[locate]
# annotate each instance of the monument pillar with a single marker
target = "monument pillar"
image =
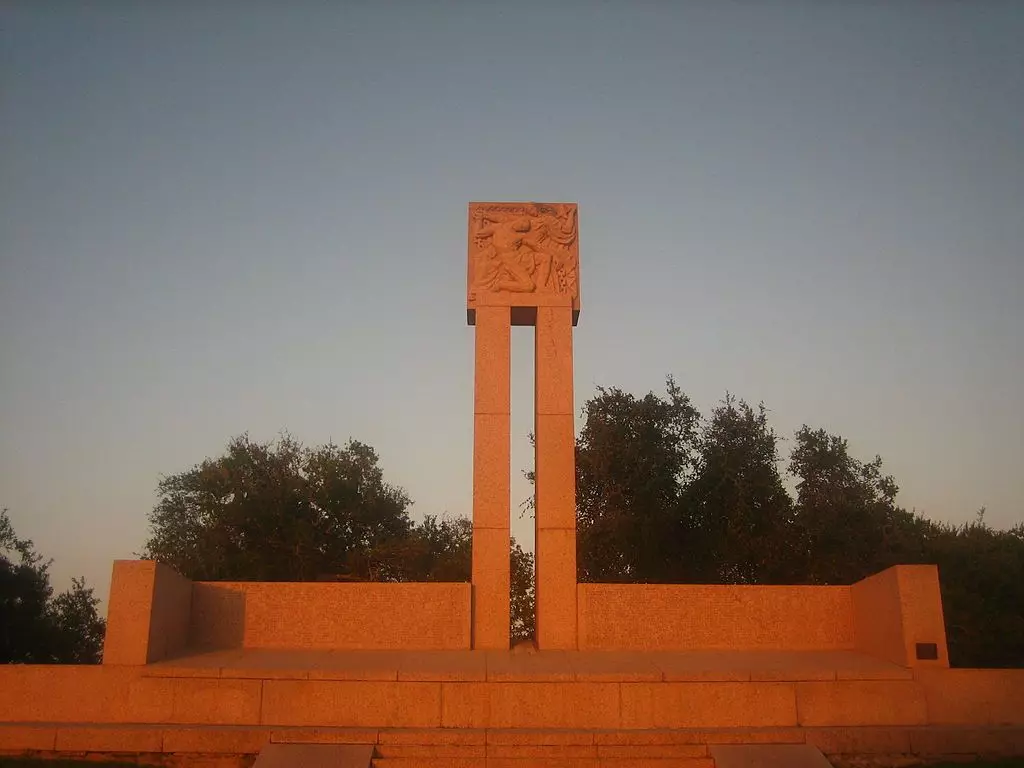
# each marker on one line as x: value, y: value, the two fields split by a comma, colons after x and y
x: 491, y: 479
x: 524, y: 270
x: 555, y: 484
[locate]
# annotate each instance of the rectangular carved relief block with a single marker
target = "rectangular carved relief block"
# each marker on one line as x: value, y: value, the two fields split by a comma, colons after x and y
x: 523, y: 255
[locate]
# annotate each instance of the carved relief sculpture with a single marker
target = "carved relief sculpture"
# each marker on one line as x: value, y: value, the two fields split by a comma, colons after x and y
x: 526, y: 249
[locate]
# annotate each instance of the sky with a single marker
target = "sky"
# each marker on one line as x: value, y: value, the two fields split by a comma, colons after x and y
x: 229, y: 217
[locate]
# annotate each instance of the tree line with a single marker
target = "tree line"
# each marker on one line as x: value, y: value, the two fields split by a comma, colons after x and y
x: 664, y: 494
x: 36, y: 626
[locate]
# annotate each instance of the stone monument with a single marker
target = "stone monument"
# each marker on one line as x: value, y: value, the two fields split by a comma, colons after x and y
x: 524, y: 270
x: 410, y: 674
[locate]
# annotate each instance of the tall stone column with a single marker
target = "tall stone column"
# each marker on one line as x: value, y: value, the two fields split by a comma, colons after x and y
x: 523, y: 269
x: 491, y: 479
x: 555, y: 467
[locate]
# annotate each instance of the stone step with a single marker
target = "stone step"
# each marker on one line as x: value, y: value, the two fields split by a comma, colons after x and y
x: 492, y: 745
x: 768, y: 756
x: 314, y: 756
x: 543, y: 762
x: 526, y: 751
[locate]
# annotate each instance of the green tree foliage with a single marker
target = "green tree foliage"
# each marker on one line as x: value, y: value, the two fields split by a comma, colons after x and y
x: 981, y: 571
x: 280, y: 512
x: 740, y: 511
x: 435, y: 550
x: 846, y: 515
x: 523, y: 594
x: 632, y: 461
x: 663, y: 495
x: 35, y: 626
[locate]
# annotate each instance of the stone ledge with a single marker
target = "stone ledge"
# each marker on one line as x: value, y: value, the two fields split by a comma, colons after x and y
x: 543, y: 666
x: 83, y: 738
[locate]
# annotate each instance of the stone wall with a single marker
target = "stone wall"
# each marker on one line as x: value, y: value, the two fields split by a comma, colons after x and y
x: 148, y: 613
x: 690, y: 617
x: 895, y: 615
x: 330, y: 616
x: 896, y: 610
x: 155, y: 613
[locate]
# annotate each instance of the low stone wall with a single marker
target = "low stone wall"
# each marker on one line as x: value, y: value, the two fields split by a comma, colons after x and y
x: 154, y: 613
x: 685, y: 617
x: 332, y: 616
x: 895, y: 615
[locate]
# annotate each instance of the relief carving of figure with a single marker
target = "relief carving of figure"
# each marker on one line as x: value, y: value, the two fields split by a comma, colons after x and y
x: 525, y: 252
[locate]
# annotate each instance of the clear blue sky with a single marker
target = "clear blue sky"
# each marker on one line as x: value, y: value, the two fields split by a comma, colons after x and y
x: 226, y: 217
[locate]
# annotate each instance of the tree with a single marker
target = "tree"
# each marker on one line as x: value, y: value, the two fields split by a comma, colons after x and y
x: 279, y: 512
x: 434, y: 550
x: 523, y: 594
x: 846, y: 520
x: 742, y: 513
x: 35, y: 626
x: 633, y: 457
x: 981, y: 572
x: 79, y: 628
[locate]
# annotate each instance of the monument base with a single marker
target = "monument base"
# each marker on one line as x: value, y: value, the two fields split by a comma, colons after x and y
x: 485, y: 708
x: 663, y: 673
